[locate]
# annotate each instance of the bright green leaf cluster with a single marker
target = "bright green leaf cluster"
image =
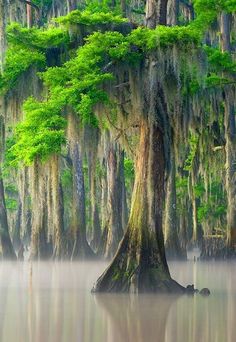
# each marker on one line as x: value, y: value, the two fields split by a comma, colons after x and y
x: 18, y: 61
x: 35, y: 38
x: 88, y: 17
x: 193, y: 143
x: 41, y: 134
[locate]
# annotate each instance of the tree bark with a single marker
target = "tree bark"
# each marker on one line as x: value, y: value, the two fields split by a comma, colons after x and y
x: 230, y: 146
x: 38, y: 248
x: 156, y: 13
x: 172, y: 244
x: 230, y: 150
x: 172, y: 12
x: 3, y: 42
x: 7, y: 248
x: 95, y: 220
x: 225, y: 32
x: 16, y: 239
x: 81, y: 248
x: 114, y: 231
x: 140, y: 264
x: 124, y: 195
x: 123, y: 7
x: 57, y: 204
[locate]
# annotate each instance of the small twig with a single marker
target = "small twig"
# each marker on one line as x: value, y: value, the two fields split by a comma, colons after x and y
x: 107, y: 66
x: 121, y: 85
x: 217, y: 148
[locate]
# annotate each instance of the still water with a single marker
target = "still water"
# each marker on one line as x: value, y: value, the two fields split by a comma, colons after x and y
x: 51, y: 302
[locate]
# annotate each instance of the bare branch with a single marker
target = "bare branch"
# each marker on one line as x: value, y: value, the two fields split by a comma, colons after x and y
x: 121, y: 85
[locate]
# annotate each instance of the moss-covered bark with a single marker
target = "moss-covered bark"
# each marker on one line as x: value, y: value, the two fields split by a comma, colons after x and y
x: 172, y: 243
x: 38, y: 247
x: 230, y: 149
x: 81, y: 248
x: 140, y: 263
x: 57, y: 215
x: 114, y: 225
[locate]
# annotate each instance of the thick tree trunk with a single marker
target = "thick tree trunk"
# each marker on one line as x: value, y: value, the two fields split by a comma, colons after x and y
x: 230, y: 150
x: 140, y: 264
x: 230, y: 146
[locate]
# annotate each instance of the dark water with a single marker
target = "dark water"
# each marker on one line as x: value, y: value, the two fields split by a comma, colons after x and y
x: 53, y: 303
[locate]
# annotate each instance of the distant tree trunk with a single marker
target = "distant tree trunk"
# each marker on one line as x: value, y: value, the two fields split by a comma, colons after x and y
x: 16, y: 233
x: 96, y: 227
x: 7, y: 247
x: 172, y: 12
x: 156, y: 13
x: 183, y: 224
x: 104, y: 200
x: 29, y: 14
x: 71, y: 5
x: 172, y: 244
x: 57, y: 207
x: 123, y: 197
x: 197, y: 228
x: 123, y: 7
x: 225, y: 32
x: 81, y: 248
x: 3, y: 9
x: 114, y: 228
x: 140, y: 264
x: 38, y: 248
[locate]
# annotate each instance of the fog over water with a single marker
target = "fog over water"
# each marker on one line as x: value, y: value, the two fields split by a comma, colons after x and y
x: 52, y: 302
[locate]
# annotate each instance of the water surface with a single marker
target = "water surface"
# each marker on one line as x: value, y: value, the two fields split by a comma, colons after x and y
x: 51, y: 302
